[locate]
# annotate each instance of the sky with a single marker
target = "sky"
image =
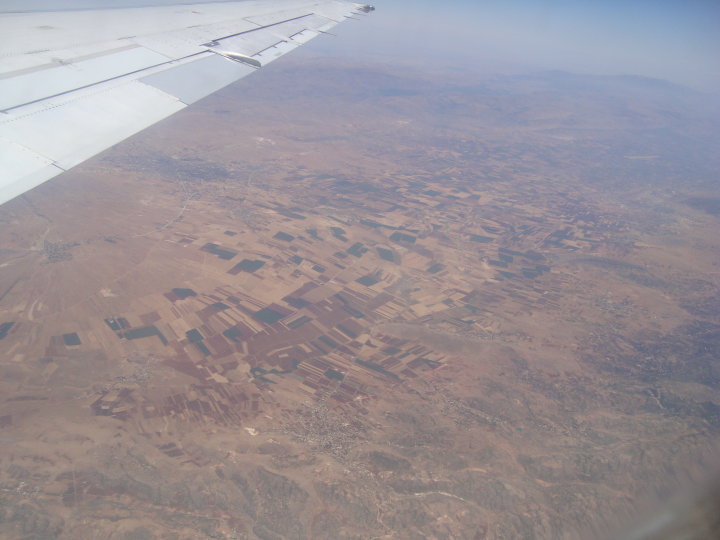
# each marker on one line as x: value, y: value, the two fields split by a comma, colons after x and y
x: 677, y: 40
x: 668, y: 39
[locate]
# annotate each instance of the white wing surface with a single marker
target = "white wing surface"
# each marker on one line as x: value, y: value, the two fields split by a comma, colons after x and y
x: 73, y: 83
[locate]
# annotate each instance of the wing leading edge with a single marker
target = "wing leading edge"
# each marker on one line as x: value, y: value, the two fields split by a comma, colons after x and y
x: 73, y: 83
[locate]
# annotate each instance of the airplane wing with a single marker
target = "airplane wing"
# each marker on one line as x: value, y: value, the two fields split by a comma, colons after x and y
x: 73, y: 83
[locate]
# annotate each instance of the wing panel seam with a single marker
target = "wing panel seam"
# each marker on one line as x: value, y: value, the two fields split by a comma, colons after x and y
x: 102, y: 82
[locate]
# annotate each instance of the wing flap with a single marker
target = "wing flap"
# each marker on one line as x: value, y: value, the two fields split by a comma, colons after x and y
x: 23, y: 168
x: 71, y: 132
x: 61, y: 77
x: 194, y: 80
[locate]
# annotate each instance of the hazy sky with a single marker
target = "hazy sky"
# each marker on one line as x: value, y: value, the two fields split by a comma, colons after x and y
x: 677, y: 40
x: 672, y: 39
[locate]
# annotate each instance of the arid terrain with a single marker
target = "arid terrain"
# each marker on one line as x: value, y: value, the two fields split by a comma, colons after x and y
x: 345, y: 301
